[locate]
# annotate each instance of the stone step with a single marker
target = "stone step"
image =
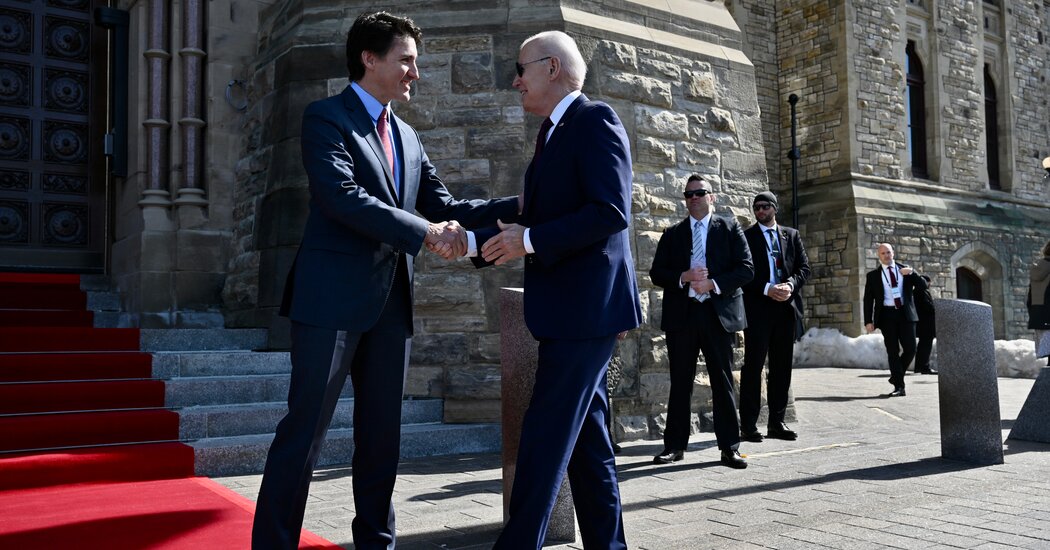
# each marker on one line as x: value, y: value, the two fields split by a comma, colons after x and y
x: 230, y: 390
x: 220, y: 363
x: 246, y: 454
x: 102, y: 301
x: 261, y: 418
x: 202, y: 339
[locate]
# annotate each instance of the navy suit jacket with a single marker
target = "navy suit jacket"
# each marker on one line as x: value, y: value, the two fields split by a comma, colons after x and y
x: 358, y: 228
x: 580, y: 283
x: 728, y: 263
x: 874, y: 295
x: 795, y: 266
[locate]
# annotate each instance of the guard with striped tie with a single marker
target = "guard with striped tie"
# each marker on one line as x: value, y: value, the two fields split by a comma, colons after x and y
x: 701, y: 264
x: 773, y: 301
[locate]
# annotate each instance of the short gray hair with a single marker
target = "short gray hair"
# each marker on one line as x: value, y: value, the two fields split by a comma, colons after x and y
x: 560, y: 45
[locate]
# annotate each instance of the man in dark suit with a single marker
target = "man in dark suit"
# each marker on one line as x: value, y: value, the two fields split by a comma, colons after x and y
x: 349, y: 293
x: 926, y: 328
x: 773, y: 300
x: 889, y: 306
x: 701, y: 263
x: 580, y: 294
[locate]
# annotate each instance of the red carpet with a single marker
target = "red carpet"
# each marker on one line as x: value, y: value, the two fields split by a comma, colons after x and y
x: 187, y: 513
x: 89, y: 455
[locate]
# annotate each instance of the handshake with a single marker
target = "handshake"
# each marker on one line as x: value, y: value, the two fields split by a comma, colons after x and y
x: 446, y: 239
x: 449, y: 240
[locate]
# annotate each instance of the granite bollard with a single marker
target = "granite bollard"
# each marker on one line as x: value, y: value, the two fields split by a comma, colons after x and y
x: 518, y: 357
x: 968, y: 388
x: 1033, y: 422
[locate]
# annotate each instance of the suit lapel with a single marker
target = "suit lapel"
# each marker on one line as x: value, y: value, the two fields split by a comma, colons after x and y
x: 538, y: 163
x: 360, y: 117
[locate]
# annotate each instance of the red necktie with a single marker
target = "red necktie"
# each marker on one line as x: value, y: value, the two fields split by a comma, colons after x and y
x: 382, y: 127
x: 893, y: 284
x: 541, y: 138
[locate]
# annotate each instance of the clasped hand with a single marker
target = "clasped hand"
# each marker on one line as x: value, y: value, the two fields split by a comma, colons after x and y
x: 697, y: 279
x: 780, y: 292
x: 507, y: 245
x: 446, y: 239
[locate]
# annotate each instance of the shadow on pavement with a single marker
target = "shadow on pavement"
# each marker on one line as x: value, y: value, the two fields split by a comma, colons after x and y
x: 914, y: 469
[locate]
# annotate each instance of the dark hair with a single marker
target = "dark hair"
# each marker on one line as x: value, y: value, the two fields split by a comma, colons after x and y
x: 375, y: 32
x: 694, y: 177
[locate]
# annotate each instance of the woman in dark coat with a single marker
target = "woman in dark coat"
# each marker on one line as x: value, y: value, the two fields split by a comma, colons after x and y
x: 1039, y: 303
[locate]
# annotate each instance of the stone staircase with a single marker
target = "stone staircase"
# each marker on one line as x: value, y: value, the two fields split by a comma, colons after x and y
x: 230, y: 398
x: 230, y: 401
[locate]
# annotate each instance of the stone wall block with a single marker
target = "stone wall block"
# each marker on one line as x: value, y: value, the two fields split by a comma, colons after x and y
x: 472, y: 72
x: 661, y: 123
x: 444, y: 143
x: 201, y: 250
x: 425, y: 381
x: 473, y: 382
x: 467, y: 170
x: 457, y: 44
x: 449, y: 292
x: 655, y: 151
x: 197, y: 290
x: 439, y: 349
x: 699, y: 158
x: 617, y: 55
x: 282, y: 217
x: 497, y: 141
x: 637, y: 88
x: 700, y: 87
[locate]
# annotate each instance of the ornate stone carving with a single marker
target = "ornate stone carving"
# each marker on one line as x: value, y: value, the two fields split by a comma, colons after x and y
x: 14, y: 222
x: 16, y: 31
x: 16, y: 84
x: 65, y: 183
x: 15, y: 137
x: 65, y: 91
x: 14, y: 180
x: 64, y: 224
x: 65, y: 142
x: 66, y: 39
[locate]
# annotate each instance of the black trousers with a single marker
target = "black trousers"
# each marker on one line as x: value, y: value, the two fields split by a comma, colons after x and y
x: 926, y: 330
x: 376, y: 361
x: 703, y: 332
x: 769, y: 333
x: 898, y: 333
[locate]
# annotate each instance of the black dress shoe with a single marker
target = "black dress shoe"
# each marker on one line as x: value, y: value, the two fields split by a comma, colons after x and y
x: 753, y: 436
x: 733, y: 459
x: 781, y: 431
x: 668, y: 457
x: 926, y: 371
x: 898, y: 392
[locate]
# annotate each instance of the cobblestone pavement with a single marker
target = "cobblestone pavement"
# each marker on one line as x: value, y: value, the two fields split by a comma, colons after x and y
x: 865, y: 473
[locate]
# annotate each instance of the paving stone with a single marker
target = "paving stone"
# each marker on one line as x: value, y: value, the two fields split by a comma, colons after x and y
x: 855, y: 479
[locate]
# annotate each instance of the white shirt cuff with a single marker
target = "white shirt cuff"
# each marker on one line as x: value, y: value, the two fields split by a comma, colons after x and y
x: 764, y: 290
x: 472, y: 246
x: 528, y: 242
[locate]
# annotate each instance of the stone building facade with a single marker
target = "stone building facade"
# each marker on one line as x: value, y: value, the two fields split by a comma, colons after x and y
x: 972, y: 216
x: 207, y: 218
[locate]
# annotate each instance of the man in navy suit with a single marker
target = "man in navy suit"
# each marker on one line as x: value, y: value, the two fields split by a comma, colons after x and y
x: 889, y: 305
x: 349, y: 293
x: 701, y: 263
x: 773, y: 301
x: 580, y: 293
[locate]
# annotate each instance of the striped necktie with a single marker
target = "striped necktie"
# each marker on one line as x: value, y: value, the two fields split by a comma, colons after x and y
x: 699, y: 257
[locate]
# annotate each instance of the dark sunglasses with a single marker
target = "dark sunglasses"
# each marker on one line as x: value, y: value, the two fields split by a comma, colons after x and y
x: 762, y: 206
x: 521, y: 66
x: 696, y: 193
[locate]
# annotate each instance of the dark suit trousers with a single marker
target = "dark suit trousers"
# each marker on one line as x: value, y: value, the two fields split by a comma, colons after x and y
x: 926, y: 330
x: 702, y: 333
x: 772, y: 333
x: 564, y: 432
x: 898, y: 333
x: 321, y: 358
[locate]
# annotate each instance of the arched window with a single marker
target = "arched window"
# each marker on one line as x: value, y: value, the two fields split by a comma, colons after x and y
x: 916, y: 112
x: 991, y: 130
x: 968, y: 285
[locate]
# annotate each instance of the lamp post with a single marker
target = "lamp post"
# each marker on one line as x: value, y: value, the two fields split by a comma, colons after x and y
x: 794, y: 155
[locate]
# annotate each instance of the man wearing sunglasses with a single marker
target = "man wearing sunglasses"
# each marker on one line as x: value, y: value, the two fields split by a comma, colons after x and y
x: 701, y: 263
x: 580, y: 294
x: 774, y: 319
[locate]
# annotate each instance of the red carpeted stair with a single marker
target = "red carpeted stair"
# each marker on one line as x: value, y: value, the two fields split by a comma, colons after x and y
x: 89, y: 455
